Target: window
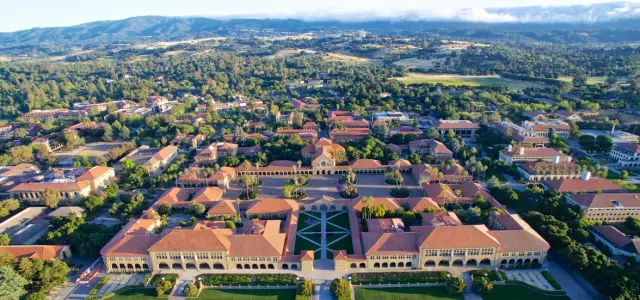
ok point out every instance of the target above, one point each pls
(445, 252)
(430, 252)
(459, 252)
(488, 251)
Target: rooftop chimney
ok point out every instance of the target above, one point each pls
(586, 175)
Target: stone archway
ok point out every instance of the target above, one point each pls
(163, 266)
(443, 263)
(472, 263)
(430, 263)
(176, 266)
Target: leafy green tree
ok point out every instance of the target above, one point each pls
(415, 158)
(604, 142)
(198, 209)
(50, 197)
(340, 287)
(164, 209)
(4, 239)
(94, 203)
(493, 182)
(11, 284)
(6, 258)
(305, 288)
(163, 286)
(482, 285)
(455, 285)
(380, 131)
(191, 290)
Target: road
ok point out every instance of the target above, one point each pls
(576, 287)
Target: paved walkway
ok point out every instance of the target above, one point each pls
(533, 277)
(575, 290)
(324, 245)
(468, 293)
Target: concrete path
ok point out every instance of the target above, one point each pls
(468, 293)
(321, 290)
(575, 290)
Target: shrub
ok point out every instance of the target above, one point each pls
(551, 280)
(39, 296)
(340, 287)
(191, 290)
(147, 278)
(482, 285)
(99, 285)
(399, 277)
(163, 286)
(305, 288)
(247, 279)
(455, 285)
(491, 274)
(402, 192)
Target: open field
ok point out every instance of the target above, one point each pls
(248, 294)
(91, 150)
(501, 292)
(420, 63)
(344, 58)
(436, 293)
(291, 52)
(593, 79)
(468, 80)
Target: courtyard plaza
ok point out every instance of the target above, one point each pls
(326, 185)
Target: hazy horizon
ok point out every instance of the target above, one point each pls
(28, 14)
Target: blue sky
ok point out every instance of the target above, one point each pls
(25, 14)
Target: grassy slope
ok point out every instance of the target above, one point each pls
(406, 294)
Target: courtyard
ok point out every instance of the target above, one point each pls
(323, 232)
(91, 151)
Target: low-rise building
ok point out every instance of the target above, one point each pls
(431, 147)
(626, 154)
(513, 155)
(340, 135)
(60, 113)
(547, 128)
(585, 184)
(391, 116)
(45, 252)
(543, 170)
(617, 242)
(161, 160)
(216, 152)
(202, 177)
(70, 189)
(463, 128)
(436, 173)
(305, 135)
(615, 207)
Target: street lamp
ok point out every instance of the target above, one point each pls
(349, 278)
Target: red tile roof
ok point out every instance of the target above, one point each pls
(582, 186)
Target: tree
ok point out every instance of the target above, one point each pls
(8, 206)
(125, 133)
(579, 80)
(455, 285)
(229, 224)
(20, 133)
(305, 288)
(415, 158)
(493, 182)
(340, 287)
(482, 285)
(36, 296)
(107, 136)
(198, 209)
(587, 142)
(191, 290)
(624, 175)
(11, 283)
(164, 209)
(6, 258)
(380, 131)
(604, 142)
(163, 286)
(50, 197)
(21, 154)
(4, 239)
(94, 203)
(72, 140)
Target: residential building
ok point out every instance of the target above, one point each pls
(405, 130)
(458, 193)
(436, 173)
(463, 128)
(431, 147)
(543, 170)
(310, 126)
(161, 160)
(613, 208)
(513, 155)
(230, 137)
(535, 115)
(617, 242)
(66, 211)
(520, 135)
(566, 115)
(183, 198)
(441, 218)
(201, 108)
(627, 155)
(322, 154)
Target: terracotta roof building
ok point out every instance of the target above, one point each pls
(615, 207)
(626, 154)
(354, 134)
(543, 170)
(513, 155)
(203, 177)
(305, 135)
(617, 242)
(585, 184)
(216, 152)
(45, 252)
(464, 128)
(431, 147)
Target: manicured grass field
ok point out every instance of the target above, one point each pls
(593, 79)
(468, 80)
(343, 244)
(248, 294)
(417, 293)
(303, 223)
(303, 244)
(501, 292)
(341, 220)
(136, 294)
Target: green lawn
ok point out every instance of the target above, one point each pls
(417, 293)
(248, 294)
(303, 244)
(302, 223)
(136, 294)
(468, 80)
(501, 292)
(341, 220)
(343, 244)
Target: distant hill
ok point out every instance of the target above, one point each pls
(156, 28)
